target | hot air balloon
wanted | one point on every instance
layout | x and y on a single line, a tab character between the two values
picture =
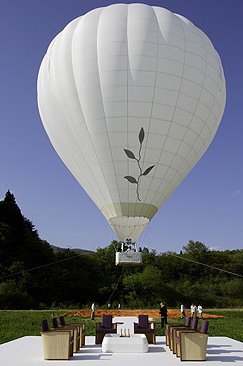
131	96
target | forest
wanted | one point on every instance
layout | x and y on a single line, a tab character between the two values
34	275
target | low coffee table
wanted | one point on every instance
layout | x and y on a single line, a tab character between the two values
113	343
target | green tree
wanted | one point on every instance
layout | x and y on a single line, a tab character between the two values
195	249
14	296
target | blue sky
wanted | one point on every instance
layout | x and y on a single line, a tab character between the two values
206	207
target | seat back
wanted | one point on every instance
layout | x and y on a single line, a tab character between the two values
204	327
107	321
188	321
194	324
62	320
143	321
44	325
54	322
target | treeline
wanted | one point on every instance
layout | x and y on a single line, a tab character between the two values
33	275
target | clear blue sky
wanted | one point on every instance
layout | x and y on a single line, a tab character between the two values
206	207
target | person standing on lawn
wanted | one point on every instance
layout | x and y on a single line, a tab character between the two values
199	311
193	310
92	311
183	314
163	314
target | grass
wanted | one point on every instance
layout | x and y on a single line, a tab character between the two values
16	324
230	326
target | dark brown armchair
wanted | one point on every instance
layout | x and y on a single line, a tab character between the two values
145	327
104	328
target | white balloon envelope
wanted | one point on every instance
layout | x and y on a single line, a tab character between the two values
131	96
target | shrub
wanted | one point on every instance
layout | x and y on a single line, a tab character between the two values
13	296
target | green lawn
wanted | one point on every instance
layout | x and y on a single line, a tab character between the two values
15	324
230	326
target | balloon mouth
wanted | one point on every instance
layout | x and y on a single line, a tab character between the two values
128	227
128	210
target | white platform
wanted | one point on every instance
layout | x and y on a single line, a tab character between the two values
136	343
27	351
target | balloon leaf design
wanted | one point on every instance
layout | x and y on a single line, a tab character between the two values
148	170
131	179
131	155
141	135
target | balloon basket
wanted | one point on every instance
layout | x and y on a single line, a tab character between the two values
130	258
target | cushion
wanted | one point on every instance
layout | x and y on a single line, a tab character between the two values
107	321
44	325
204	326
194	323
54	323
188	321
143	321
62	320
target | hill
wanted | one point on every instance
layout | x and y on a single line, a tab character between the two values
57	249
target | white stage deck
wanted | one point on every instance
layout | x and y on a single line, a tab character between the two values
27	351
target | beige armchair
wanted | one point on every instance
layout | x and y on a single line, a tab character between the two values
57	344
193	346
82	328
74	327
169	327
168	331
173	338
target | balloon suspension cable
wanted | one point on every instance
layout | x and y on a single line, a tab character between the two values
79	255
115	288
39	267
206	265
134	289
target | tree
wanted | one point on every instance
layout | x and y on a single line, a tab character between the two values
195	249
14	296
11	214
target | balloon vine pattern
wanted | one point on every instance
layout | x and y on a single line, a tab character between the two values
131	155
